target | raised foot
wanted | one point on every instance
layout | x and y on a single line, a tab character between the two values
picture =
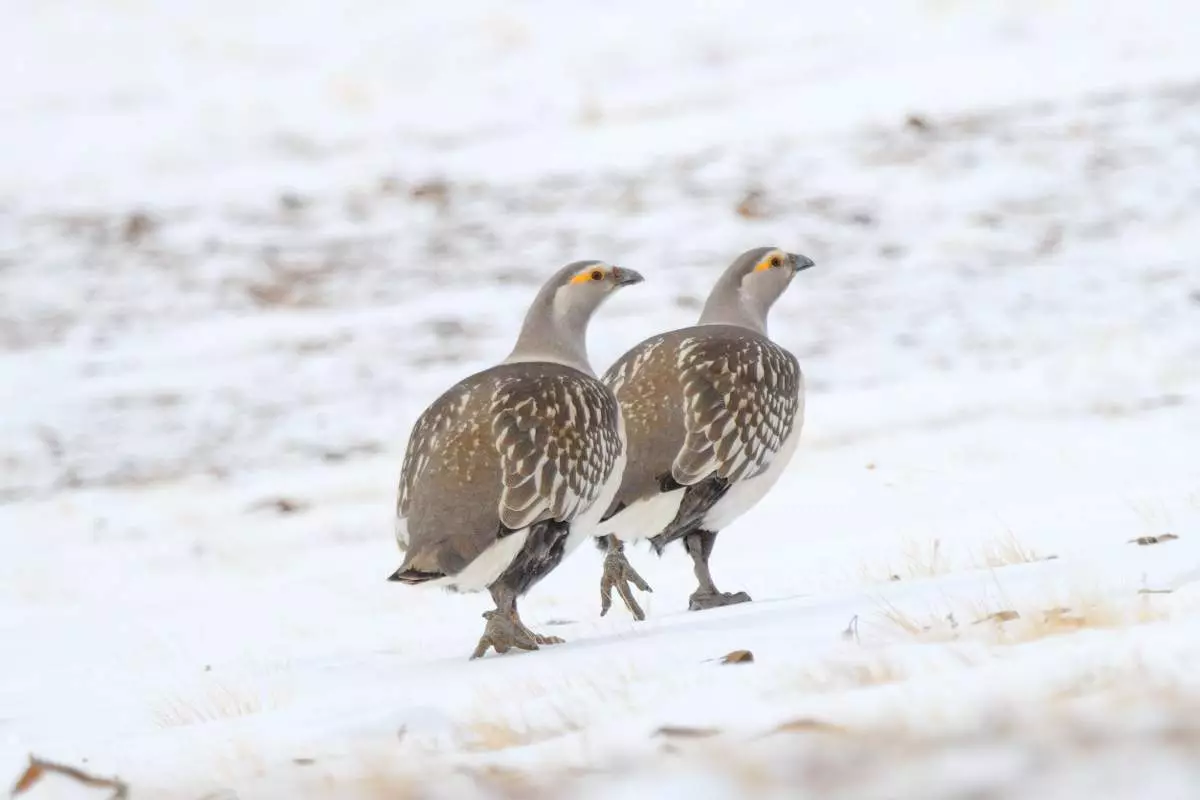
700	602
504	632
618	574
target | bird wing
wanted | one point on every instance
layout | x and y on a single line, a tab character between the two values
741	399
427	438
559	440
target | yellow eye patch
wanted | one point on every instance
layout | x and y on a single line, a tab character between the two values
590	274
772	259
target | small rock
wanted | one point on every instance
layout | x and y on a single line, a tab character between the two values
916	122
436	192
290	201
137	227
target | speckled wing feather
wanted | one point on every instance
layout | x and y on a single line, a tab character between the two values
558	443
428	432
740	400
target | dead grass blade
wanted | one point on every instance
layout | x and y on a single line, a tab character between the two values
39	767
685	732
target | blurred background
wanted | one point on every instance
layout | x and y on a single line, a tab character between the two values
312	203
243	244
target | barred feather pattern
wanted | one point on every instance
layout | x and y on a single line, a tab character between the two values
558	446
740	404
428	432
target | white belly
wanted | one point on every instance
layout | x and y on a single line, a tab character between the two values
645	518
587	524
490	565
649	517
744	495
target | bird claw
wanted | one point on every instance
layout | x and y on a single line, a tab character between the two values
701	601
505	632
618	574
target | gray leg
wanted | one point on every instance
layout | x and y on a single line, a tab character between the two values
699	545
504	629
618	574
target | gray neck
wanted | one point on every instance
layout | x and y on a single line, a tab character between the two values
553	334
728	304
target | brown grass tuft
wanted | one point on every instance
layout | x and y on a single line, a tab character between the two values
1030	622
1005	552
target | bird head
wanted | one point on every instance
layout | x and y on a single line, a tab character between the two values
583	285
556	325
751	285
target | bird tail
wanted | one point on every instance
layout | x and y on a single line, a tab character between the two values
414	576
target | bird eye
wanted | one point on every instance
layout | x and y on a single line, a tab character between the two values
597	275
775	261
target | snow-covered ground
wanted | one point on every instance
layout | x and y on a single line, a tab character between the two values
243	244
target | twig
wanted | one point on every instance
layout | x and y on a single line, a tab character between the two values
851	632
38	768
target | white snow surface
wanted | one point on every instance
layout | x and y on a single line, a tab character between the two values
243	244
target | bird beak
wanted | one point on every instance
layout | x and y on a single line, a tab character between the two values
626	277
800	262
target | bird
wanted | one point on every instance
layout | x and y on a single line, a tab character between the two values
509	469
713	414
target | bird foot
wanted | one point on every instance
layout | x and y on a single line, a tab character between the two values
699	601
618	574
505	632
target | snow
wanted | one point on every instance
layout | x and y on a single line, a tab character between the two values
243	245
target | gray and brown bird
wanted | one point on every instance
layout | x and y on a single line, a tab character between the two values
511	468
712	415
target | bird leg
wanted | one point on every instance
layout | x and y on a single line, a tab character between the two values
699	545
504	629
618	574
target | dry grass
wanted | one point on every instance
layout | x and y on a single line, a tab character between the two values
918	560
1007	551
847	674
803	756
931	558
559	708
1029	621
217	700
491	735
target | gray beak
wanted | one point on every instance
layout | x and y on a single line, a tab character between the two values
800	262
626	277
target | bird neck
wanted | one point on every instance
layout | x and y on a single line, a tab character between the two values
553	335
729	305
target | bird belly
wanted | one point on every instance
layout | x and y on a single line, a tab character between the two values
588	523
744	495
484	570
644	518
